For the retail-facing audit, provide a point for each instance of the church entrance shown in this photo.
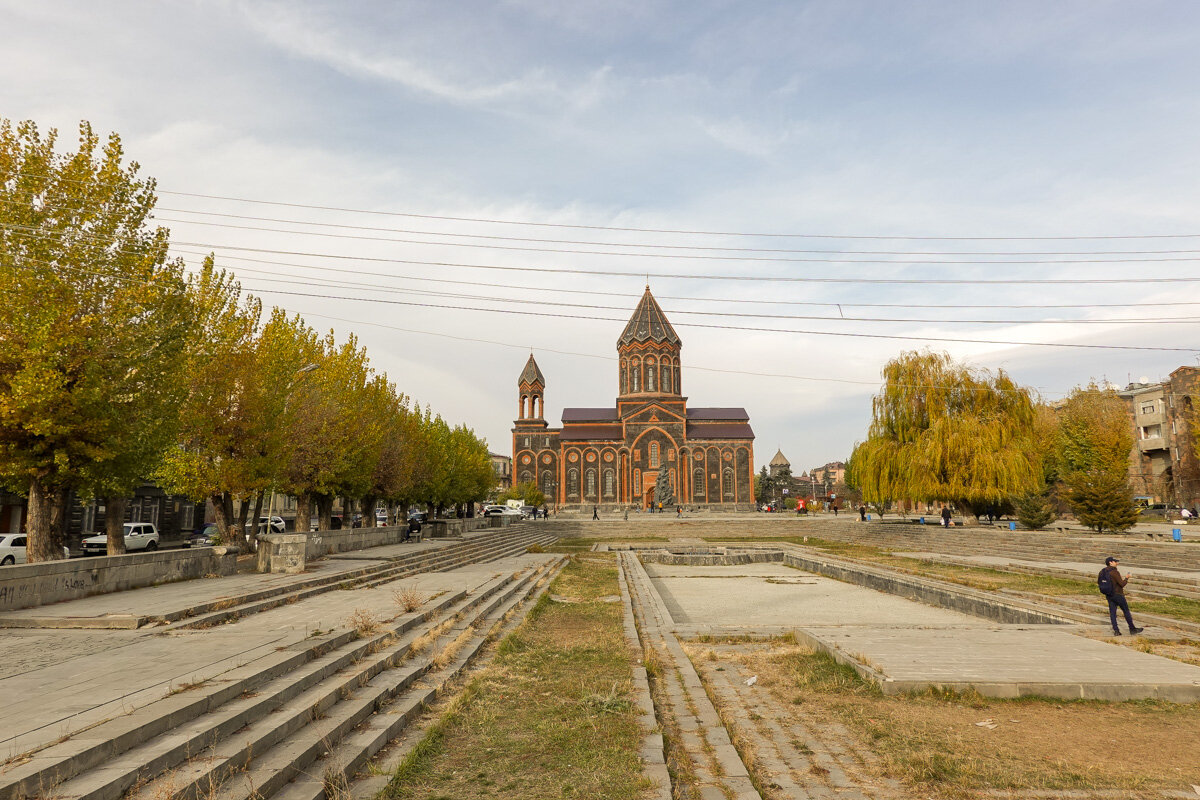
(649, 479)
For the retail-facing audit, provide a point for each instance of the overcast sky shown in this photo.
(828, 119)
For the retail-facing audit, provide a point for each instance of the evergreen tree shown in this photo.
(1102, 500)
(1034, 512)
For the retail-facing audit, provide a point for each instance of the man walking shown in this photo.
(1111, 578)
(945, 516)
(595, 512)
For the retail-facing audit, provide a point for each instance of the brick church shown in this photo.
(612, 456)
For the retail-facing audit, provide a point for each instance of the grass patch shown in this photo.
(551, 716)
(930, 740)
(983, 578)
(1177, 607)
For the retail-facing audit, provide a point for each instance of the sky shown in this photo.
(808, 188)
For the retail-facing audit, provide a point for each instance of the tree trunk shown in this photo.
(368, 510)
(39, 525)
(59, 508)
(114, 523)
(324, 512)
(303, 513)
(220, 516)
(252, 540)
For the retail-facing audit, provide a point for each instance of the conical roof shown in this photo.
(648, 324)
(531, 374)
(780, 460)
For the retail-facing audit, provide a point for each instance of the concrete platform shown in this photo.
(1009, 661)
(908, 646)
(1088, 569)
(776, 596)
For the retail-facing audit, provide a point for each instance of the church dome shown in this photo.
(531, 375)
(648, 324)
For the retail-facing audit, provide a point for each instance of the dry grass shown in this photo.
(409, 598)
(930, 740)
(363, 621)
(447, 653)
(549, 716)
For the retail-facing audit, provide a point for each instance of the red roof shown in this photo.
(573, 433)
(588, 414)
(717, 413)
(727, 430)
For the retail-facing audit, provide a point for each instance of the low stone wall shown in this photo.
(323, 543)
(29, 585)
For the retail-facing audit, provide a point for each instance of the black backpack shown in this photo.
(1104, 582)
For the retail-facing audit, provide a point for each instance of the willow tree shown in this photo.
(943, 431)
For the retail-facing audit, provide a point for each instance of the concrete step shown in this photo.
(337, 766)
(278, 747)
(142, 739)
(318, 686)
(438, 560)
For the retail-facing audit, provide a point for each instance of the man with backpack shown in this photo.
(1112, 586)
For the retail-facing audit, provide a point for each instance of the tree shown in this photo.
(527, 493)
(1102, 500)
(1091, 456)
(94, 319)
(944, 431)
(664, 495)
(1034, 512)
(216, 416)
(764, 485)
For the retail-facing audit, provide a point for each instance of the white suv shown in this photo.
(12, 549)
(138, 536)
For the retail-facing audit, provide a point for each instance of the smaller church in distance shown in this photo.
(612, 457)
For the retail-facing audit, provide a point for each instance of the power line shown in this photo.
(455, 234)
(688, 256)
(635, 295)
(680, 276)
(711, 326)
(274, 277)
(685, 231)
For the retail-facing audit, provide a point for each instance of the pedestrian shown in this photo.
(660, 508)
(862, 513)
(945, 516)
(1112, 586)
(413, 529)
(678, 512)
(1186, 514)
(627, 513)
(833, 505)
(595, 512)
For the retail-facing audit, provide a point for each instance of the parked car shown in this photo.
(1160, 511)
(277, 525)
(420, 516)
(12, 549)
(503, 511)
(204, 536)
(381, 516)
(138, 536)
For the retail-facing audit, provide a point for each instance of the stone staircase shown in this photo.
(475, 549)
(298, 724)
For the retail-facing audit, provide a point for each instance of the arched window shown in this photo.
(654, 455)
(609, 483)
(727, 484)
(624, 376)
(651, 375)
(591, 483)
(637, 481)
(573, 483)
(678, 388)
(666, 375)
(698, 483)
(547, 484)
(637, 376)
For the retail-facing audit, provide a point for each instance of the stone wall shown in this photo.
(29, 585)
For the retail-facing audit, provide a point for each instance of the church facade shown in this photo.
(612, 457)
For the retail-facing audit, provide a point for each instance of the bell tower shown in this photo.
(531, 386)
(648, 355)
